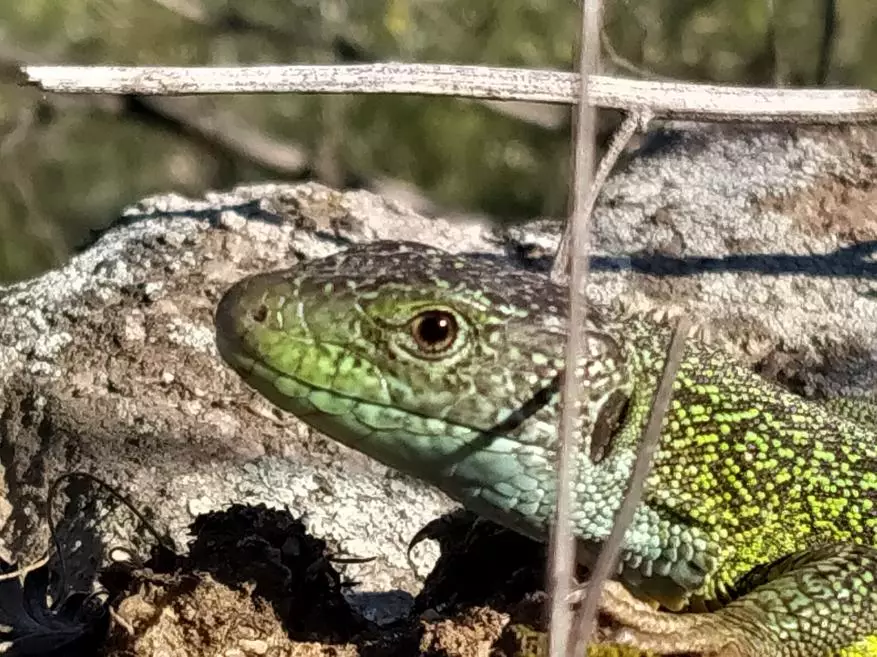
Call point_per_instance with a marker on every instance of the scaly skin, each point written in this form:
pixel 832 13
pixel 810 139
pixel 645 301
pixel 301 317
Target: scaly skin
pixel 447 368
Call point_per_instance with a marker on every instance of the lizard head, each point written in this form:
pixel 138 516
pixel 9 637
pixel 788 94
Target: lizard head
pixel 406 352
pixel 447 368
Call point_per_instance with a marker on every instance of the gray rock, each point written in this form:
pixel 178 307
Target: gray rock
pixel 767 234
pixel 107 364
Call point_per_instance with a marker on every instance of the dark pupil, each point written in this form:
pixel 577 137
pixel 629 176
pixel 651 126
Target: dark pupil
pixel 435 328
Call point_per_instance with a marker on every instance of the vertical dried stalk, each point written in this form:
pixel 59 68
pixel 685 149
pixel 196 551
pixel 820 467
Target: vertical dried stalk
pixel 636 119
pixel 778 73
pixel 587 615
pixel 562 548
pixel 829 32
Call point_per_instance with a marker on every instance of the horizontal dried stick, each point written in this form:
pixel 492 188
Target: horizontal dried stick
pixel 668 100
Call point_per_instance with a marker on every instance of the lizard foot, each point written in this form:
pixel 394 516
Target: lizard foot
pixel 640 624
pixel 816 603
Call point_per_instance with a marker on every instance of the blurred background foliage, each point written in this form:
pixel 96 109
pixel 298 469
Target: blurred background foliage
pixel 68 164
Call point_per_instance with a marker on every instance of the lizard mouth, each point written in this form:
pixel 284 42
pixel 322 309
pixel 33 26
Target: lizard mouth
pixel 240 313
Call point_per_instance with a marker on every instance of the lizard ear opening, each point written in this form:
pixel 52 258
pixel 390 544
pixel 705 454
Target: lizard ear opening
pixel 610 416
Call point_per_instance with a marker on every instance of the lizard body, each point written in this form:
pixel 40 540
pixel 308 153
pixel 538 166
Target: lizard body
pixel 448 368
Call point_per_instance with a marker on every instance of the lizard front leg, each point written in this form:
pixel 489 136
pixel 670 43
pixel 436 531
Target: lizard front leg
pixel 817 603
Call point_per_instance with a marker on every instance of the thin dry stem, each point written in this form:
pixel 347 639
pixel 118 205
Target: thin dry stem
pixel 562 566
pixel 670 100
pixel 24 570
pixel 636 120
pixel 625 64
pixel 587 614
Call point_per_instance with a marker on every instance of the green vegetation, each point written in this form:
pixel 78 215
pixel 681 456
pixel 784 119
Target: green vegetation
pixel 68 164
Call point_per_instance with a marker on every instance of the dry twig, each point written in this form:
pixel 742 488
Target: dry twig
pixel 633 122
pixel 587 613
pixel 669 100
pixel 562 540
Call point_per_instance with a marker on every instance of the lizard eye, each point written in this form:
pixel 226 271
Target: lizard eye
pixel 434 331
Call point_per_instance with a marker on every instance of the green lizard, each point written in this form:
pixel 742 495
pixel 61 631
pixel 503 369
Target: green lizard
pixel 758 519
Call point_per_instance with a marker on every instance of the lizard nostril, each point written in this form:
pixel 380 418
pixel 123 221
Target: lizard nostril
pixel 260 314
